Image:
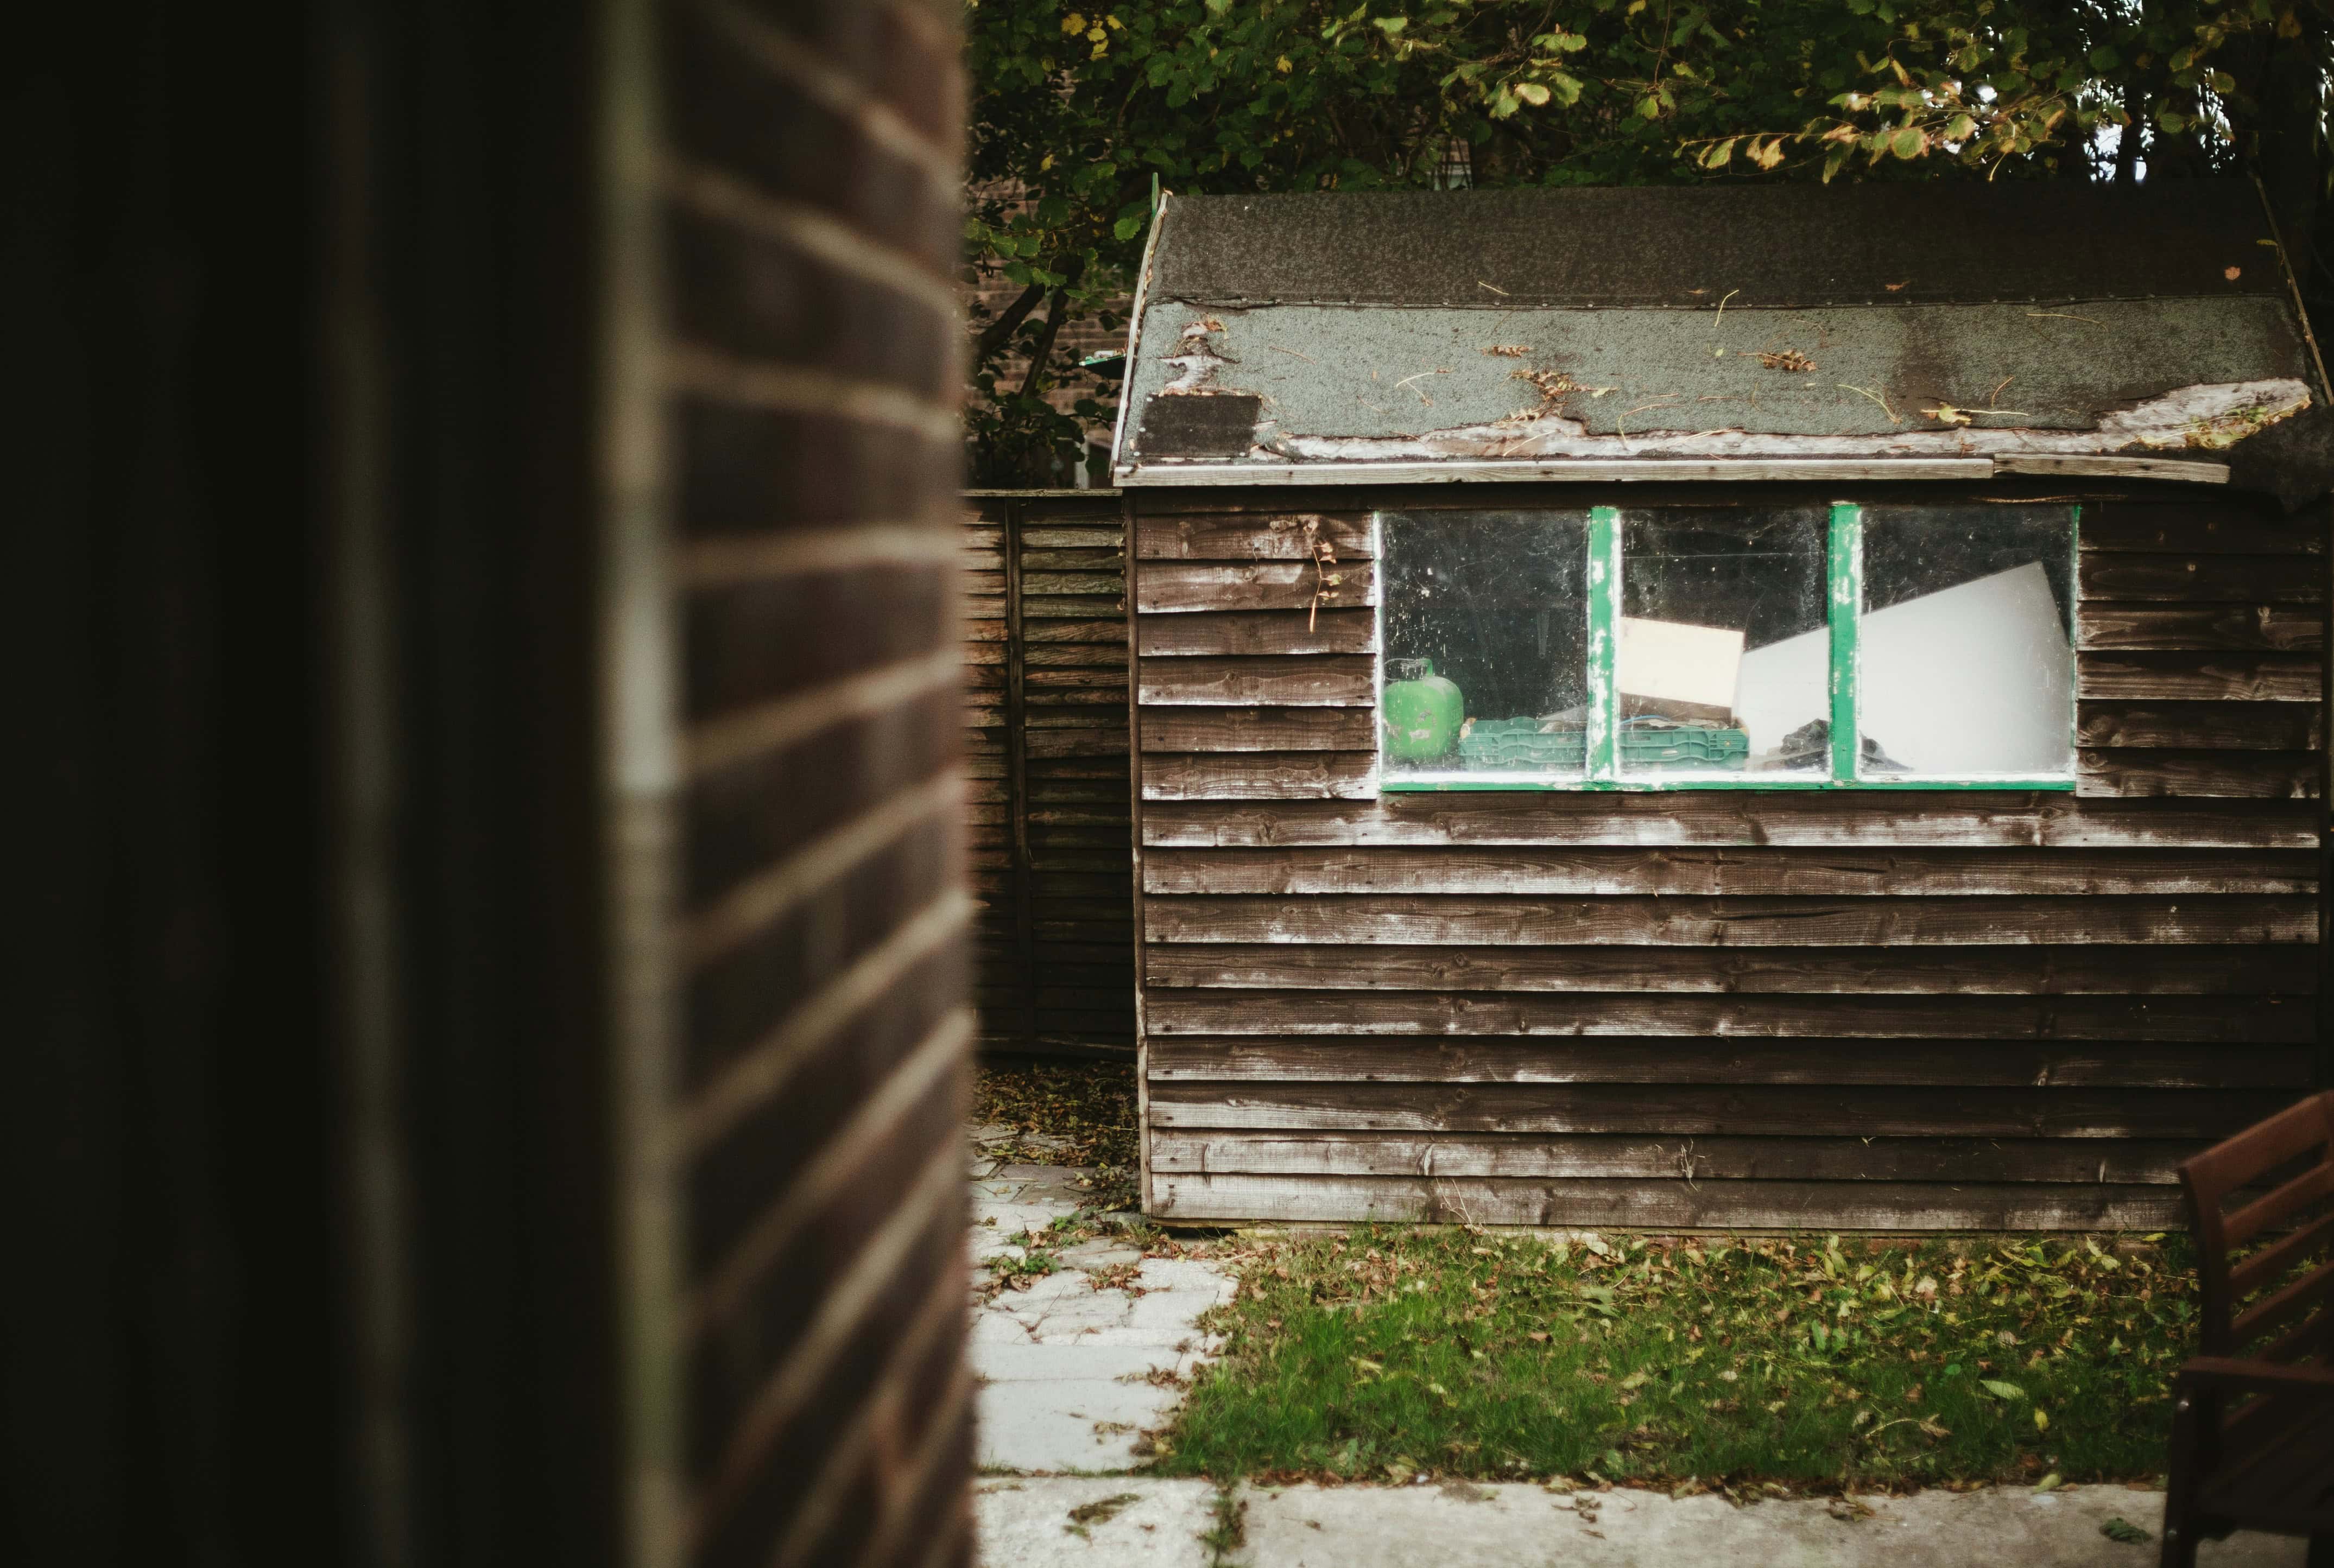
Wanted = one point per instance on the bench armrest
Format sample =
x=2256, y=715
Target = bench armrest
x=2229, y=1374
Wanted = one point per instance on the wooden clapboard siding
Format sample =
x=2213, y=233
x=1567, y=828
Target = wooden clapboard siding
x=1981, y=920
x=1049, y=706
x=2032, y=970
x=1739, y=818
x=1925, y=1010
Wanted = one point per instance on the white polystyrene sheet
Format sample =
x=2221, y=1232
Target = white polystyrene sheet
x=1971, y=681
x=1668, y=661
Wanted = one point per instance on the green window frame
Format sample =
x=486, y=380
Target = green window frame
x=1844, y=598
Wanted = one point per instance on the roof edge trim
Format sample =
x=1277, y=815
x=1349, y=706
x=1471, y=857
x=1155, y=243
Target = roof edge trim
x=1134, y=324
x=1627, y=469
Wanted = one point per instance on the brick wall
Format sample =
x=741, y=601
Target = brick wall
x=811, y=212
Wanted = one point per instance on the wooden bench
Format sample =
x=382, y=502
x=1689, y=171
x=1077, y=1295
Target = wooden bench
x=2253, y=1422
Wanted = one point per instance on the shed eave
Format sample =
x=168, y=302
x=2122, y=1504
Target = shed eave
x=1656, y=469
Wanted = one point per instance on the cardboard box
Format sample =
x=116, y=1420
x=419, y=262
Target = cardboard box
x=1679, y=671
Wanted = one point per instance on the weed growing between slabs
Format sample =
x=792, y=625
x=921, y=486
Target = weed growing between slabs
x=1388, y=1353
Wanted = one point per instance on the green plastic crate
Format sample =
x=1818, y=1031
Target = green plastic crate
x=1520, y=744
x=1664, y=743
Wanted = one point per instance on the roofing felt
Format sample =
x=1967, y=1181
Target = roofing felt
x=1684, y=245
x=1694, y=322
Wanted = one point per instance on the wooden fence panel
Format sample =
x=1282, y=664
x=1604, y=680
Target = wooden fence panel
x=1046, y=703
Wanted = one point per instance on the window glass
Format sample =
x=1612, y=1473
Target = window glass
x=1965, y=661
x=1724, y=648
x=1485, y=631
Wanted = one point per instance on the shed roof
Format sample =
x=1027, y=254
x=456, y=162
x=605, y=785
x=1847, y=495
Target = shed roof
x=1705, y=331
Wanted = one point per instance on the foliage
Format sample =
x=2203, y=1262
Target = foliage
x=1690, y=1364
x=1079, y=114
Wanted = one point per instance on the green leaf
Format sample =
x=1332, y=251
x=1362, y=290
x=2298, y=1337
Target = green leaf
x=1908, y=142
x=1390, y=25
x=1531, y=93
x=2123, y=1530
x=2000, y=1389
x=1126, y=228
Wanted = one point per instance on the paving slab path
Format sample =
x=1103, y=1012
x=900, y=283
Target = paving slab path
x=1077, y=1522
x=1459, y=1525
x=1078, y=1365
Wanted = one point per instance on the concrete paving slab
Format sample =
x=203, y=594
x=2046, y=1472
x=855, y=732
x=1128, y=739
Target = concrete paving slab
x=1458, y=1526
x=1031, y=1522
x=1029, y=1362
x=1068, y=1424
x=1063, y=1365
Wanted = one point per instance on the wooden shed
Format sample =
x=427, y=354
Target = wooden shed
x=1721, y=707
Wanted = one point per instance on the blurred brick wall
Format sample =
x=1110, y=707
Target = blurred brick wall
x=813, y=218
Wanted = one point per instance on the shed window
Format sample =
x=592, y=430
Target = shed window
x=1744, y=648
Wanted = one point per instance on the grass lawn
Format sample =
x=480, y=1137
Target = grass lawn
x=1710, y=1363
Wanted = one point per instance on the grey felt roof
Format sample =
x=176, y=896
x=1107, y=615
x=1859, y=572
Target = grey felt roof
x=1851, y=321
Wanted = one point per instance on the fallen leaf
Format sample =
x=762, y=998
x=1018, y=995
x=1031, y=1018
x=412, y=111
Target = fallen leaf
x=2041, y=1419
x=2000, y=1389
x=2049, y=1483
x=1101, y=1510
x=1892, y=288
x=1538, y=1336
x=2233, y=273
x=2122, y=1529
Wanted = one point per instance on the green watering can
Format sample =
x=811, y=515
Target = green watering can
x=1422, y=712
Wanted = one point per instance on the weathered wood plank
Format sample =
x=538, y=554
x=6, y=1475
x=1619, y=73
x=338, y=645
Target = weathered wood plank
x=2198, y=528
x=1076, y=607
x=2017, y=971
x=1091, y=687
x=1107, y=585
x=1672, y=1205
x=1049, y=656
x=2201, y=628
x=2198, y=677
x=1061, y=535
x=2189, y=578
x=2139, y=1161
x=1691, y=922
x=1259, y=775
x=2262, y=1020
x=1237, y=536
x=1319, y=681
x=1264, y=631
x=1177, y=588
x=1904, y=1063
x=1739, y=818
x=1699, y=1109
x=2202, y=726
x=1113, y=561
x=2227, y=775
x=1107, y=633
x=1076, y=743
x=1769, y=871
x=1218, y=729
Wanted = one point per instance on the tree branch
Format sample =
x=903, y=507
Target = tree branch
x=1055, y=311
x=994, y=335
